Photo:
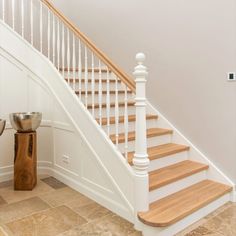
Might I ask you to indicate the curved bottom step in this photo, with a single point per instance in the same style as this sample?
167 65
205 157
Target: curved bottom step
175 207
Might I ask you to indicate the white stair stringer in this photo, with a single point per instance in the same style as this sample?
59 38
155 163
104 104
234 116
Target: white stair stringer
117 194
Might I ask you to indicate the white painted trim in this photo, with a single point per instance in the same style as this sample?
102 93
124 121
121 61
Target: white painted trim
62 126
233 196
6 172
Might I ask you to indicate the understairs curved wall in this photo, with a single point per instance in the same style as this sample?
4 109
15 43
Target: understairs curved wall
29 82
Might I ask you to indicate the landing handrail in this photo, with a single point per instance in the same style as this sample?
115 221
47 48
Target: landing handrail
102 56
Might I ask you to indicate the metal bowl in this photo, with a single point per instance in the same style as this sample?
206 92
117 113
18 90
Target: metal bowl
25 121
2 126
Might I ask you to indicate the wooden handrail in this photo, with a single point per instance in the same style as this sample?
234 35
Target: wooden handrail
115 69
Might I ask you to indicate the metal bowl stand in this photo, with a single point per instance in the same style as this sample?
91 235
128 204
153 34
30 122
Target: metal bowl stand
25 161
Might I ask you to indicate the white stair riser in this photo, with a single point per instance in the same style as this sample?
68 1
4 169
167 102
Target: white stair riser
131 126
176 186
168 160
96 75
151 142
131 111
112 86
121 98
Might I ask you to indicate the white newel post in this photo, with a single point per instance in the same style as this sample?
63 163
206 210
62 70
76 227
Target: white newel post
141 161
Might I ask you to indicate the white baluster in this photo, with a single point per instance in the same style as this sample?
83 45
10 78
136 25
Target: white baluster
93 84
140 160
53 39
100 92
3 10
22 19
68 54
80 70
126 123
63 51
41 26
13 13
49 33
86 75
31 23
58 44
108 102
117 112
74 63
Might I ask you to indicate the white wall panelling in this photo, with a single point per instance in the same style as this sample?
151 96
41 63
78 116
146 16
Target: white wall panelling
29 82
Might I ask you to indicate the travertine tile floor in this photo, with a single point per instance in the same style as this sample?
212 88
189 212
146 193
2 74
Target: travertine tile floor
222 222
54 209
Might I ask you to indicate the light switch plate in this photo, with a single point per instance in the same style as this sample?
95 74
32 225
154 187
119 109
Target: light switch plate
231 76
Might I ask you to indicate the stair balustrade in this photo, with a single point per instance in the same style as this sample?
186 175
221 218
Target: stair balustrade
79 61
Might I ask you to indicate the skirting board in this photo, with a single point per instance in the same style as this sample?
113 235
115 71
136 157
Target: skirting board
233 197
45 168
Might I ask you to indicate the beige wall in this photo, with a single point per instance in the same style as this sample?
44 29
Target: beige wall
190 47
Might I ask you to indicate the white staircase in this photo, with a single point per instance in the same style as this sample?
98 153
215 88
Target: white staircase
173 183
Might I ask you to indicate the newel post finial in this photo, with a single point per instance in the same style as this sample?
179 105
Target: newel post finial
140 70
140 58
140 160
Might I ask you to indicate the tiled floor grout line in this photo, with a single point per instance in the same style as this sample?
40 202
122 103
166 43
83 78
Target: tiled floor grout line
26 216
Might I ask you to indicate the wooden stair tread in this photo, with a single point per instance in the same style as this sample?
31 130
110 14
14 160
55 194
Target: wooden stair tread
161 177
104 105
153 132
175 207
161 151
103 92
131 118
90 80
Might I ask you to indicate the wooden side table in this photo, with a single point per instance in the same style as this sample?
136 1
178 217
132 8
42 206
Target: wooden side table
25 161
